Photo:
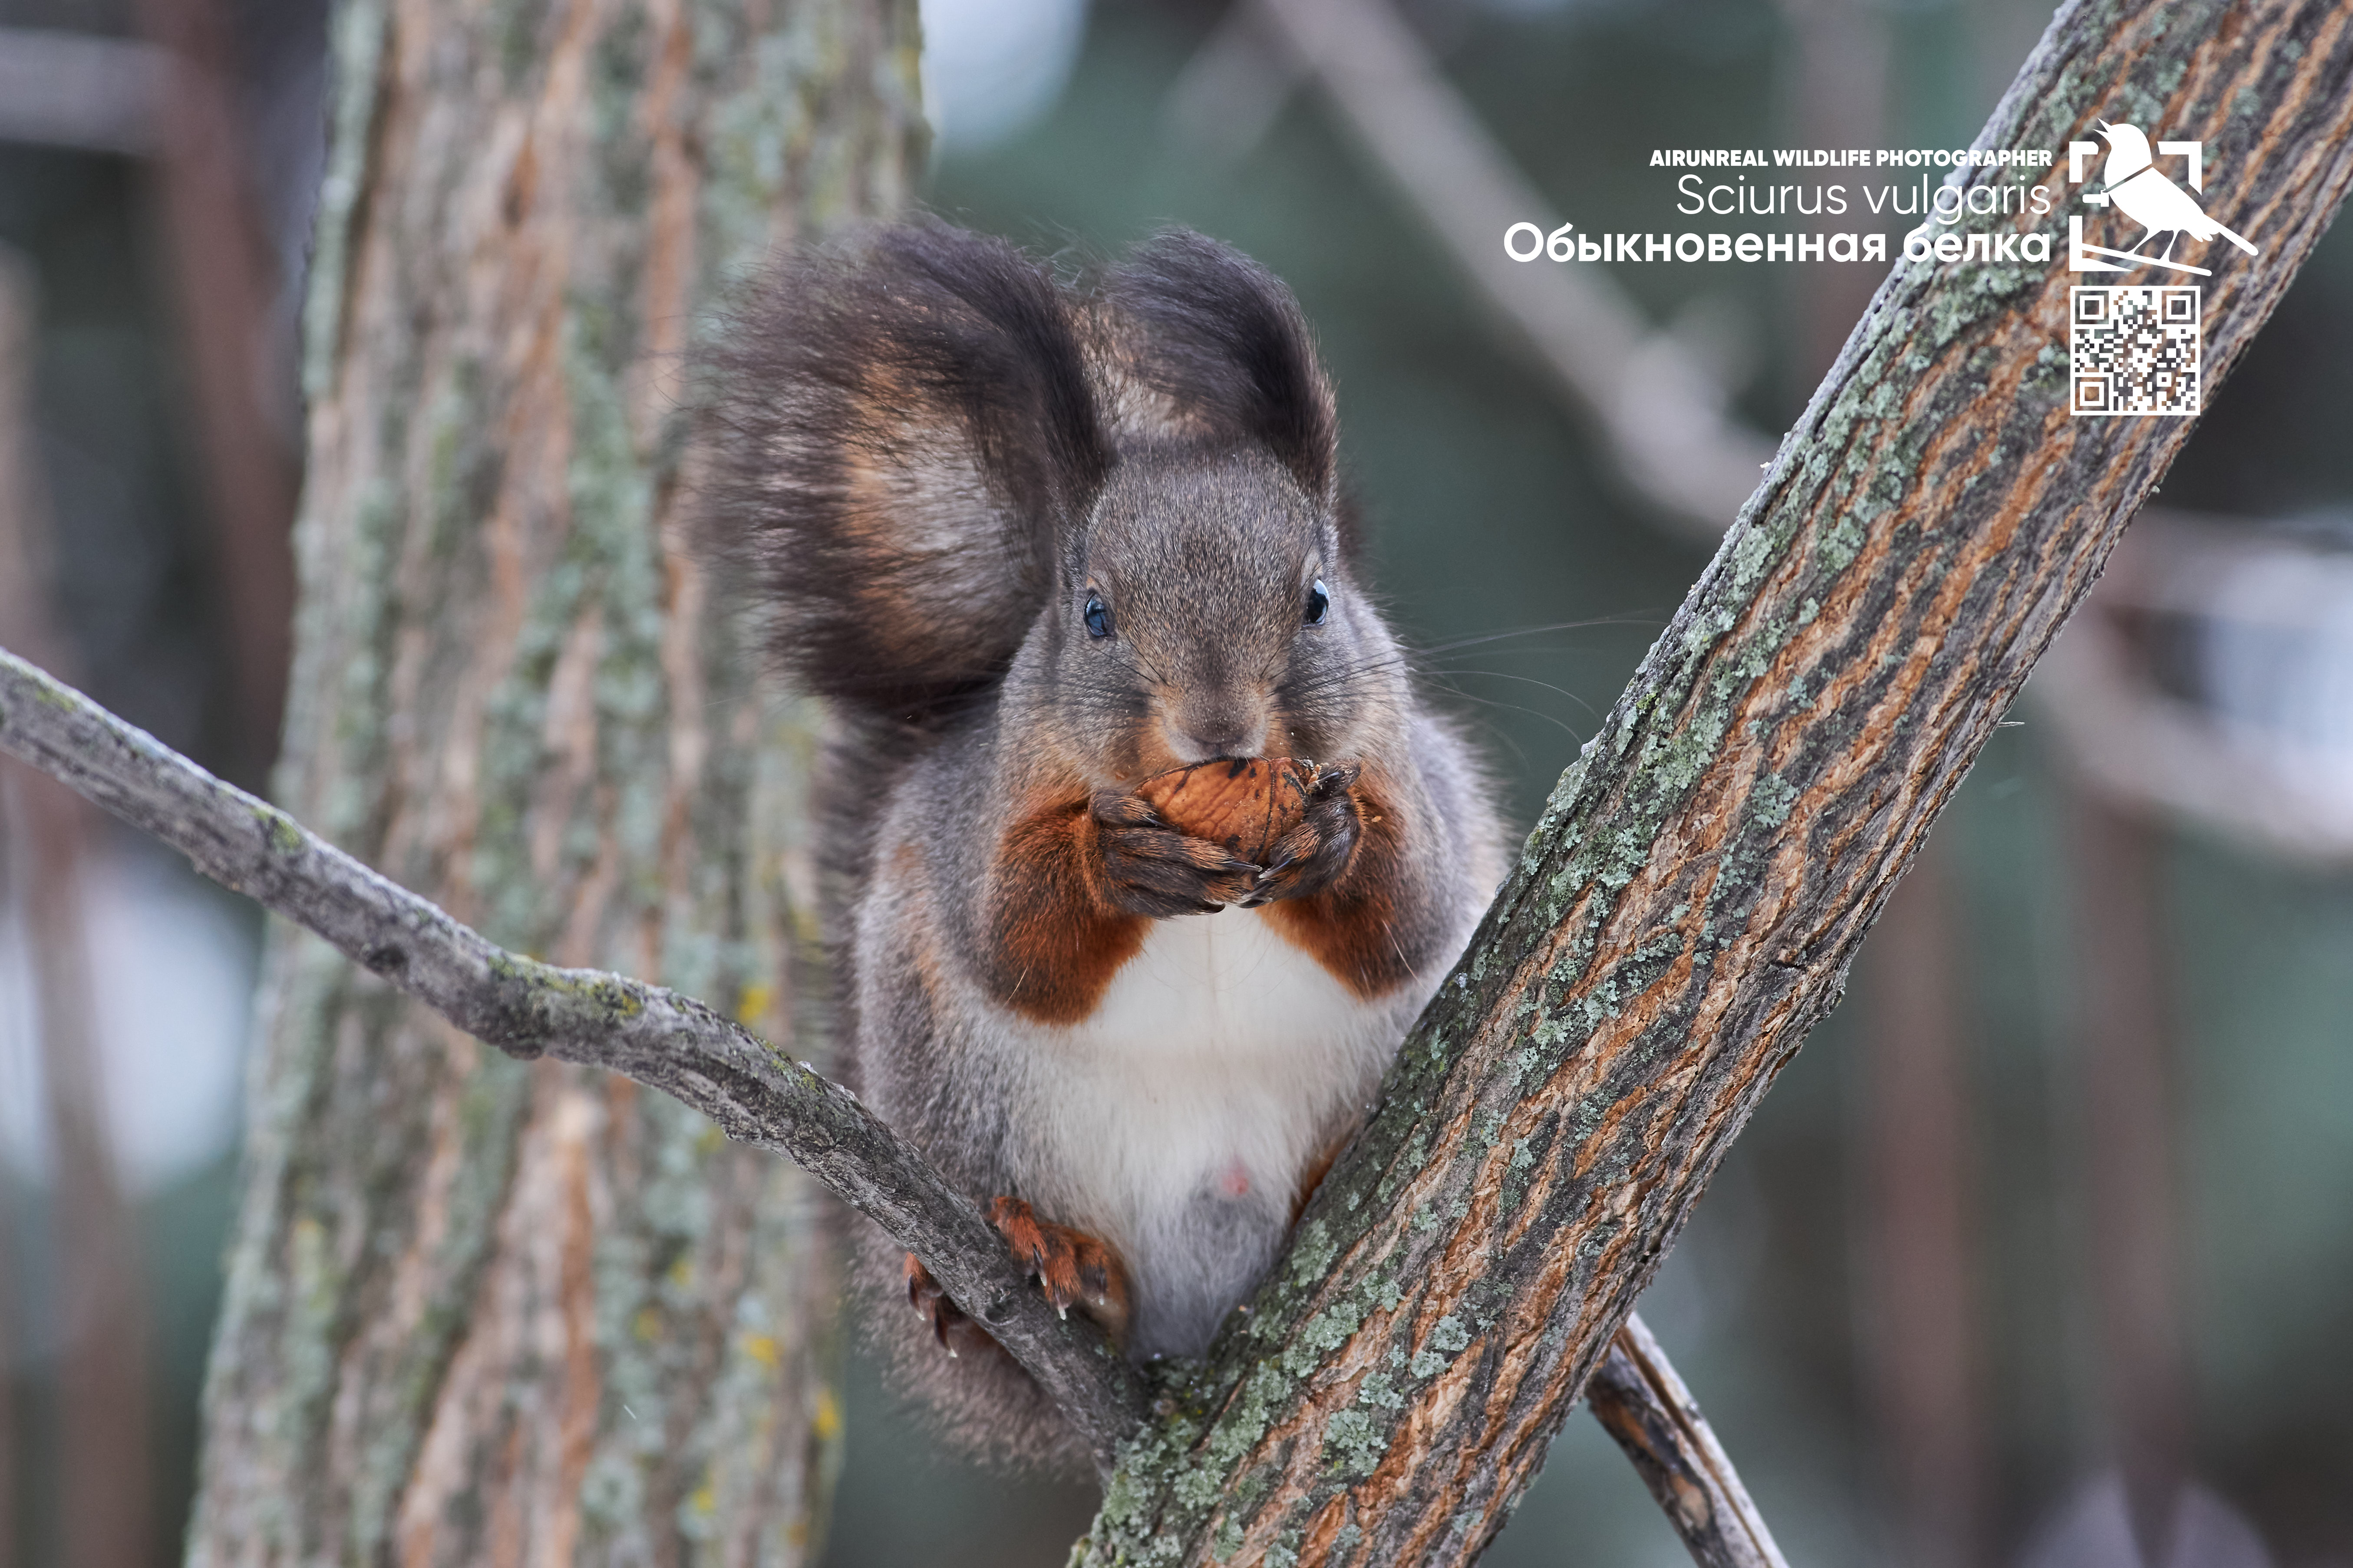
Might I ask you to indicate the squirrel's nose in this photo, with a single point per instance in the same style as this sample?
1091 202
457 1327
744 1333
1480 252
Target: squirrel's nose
1222 741
1223 733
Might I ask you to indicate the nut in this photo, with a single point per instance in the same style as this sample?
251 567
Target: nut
1246 804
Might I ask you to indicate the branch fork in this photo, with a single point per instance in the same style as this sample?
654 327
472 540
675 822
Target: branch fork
755 1093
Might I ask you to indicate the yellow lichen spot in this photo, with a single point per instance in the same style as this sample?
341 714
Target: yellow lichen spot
827 1422
754 1006
762 1348
680 1274
705 1500
647 1325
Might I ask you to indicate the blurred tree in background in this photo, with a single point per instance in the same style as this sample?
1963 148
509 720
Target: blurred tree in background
478 1310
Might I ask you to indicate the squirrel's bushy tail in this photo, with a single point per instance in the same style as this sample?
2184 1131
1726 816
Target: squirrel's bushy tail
908 427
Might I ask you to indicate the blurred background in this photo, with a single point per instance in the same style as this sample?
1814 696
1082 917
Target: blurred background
2042 1251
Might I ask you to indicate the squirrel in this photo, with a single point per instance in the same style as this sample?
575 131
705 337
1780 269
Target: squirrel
1034 544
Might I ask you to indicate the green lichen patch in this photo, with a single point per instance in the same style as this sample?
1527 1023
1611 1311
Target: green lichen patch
280 831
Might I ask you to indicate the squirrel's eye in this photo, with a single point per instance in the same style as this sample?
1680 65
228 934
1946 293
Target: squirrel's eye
1098 617
1319 604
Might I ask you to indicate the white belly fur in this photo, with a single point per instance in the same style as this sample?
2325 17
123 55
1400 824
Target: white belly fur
1177 1120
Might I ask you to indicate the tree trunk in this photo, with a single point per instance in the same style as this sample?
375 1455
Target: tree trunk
2130 1169
1685 910
1687 906
105 1516
481 1310
1919 1291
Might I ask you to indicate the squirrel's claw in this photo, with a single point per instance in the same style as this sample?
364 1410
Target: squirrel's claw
1338 778
955 1331
1113 809
1152 870
1312 856
1261 894
1072 1267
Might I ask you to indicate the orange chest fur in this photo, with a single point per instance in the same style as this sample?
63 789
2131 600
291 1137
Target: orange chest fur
1057 944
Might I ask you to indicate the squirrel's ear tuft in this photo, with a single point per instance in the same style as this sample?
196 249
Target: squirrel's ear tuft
1222 338
905 428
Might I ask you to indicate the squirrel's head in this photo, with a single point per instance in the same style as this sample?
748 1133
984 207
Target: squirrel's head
1208 607
1212 613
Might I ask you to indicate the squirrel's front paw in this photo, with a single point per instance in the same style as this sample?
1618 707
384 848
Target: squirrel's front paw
1074 1268
1151 869
1310 857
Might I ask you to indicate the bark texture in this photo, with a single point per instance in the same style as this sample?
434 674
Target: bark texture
1687 906
482 1309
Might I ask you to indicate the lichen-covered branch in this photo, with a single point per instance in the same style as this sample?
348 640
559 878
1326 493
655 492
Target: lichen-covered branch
526 1008
673 1043
1686 908
1684 912
1661 416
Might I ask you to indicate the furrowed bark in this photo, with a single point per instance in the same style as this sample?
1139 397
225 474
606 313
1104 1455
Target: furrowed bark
1686 908
1784 749
480 1310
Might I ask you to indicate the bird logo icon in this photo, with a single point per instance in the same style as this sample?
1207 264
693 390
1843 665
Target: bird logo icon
2134 185
2137 188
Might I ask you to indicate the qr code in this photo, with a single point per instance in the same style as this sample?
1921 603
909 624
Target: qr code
2134 350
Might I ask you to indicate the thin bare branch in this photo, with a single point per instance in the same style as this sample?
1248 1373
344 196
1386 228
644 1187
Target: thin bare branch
646 1033
1640 1401
81 90
2145 749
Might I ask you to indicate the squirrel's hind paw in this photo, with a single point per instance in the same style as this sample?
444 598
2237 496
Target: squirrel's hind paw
1072 1267
957 1334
